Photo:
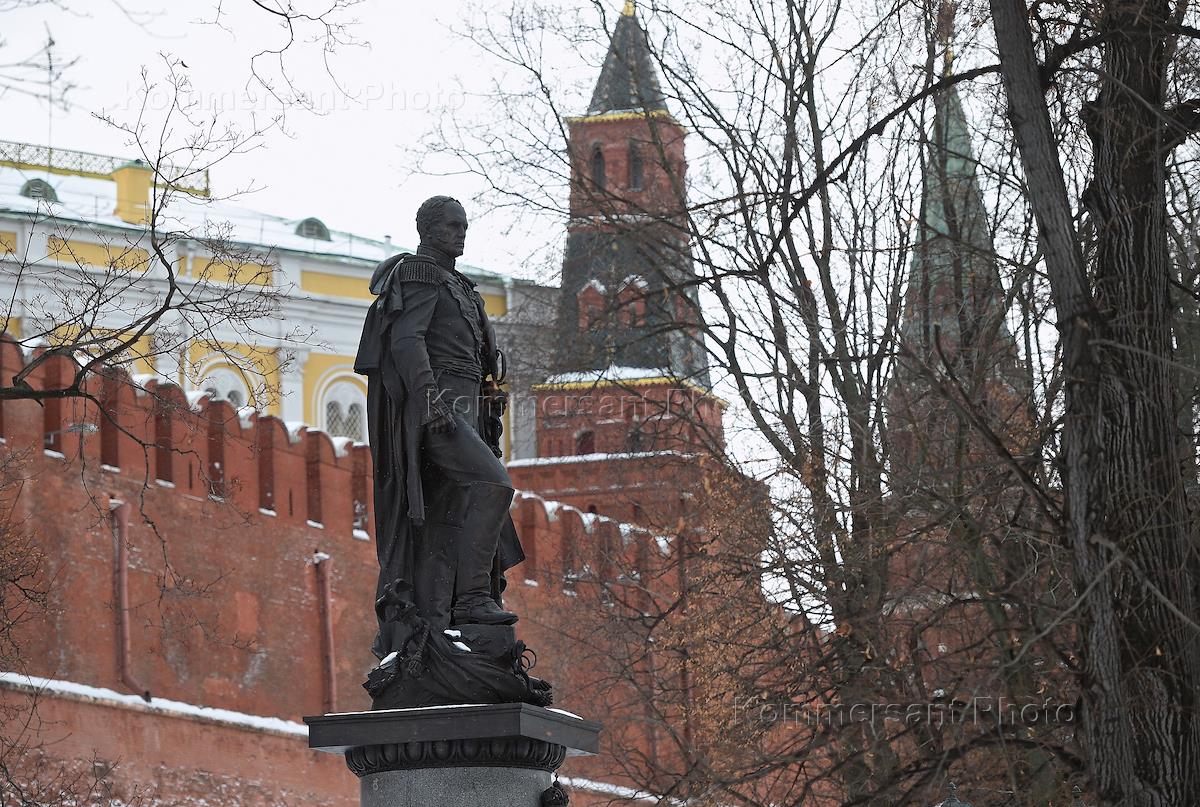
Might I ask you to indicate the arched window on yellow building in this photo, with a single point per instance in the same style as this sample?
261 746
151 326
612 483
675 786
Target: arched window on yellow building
344 409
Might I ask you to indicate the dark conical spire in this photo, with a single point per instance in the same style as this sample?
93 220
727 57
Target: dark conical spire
628 81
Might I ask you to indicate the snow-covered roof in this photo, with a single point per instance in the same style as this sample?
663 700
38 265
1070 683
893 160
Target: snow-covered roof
91 201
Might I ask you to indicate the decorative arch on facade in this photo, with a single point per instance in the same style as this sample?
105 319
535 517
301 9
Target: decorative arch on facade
343 409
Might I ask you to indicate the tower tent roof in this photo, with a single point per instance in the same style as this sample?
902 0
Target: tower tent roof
951 183
628 81
955 277
955 319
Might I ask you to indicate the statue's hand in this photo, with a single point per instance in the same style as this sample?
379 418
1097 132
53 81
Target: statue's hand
496 398
439 418
443 423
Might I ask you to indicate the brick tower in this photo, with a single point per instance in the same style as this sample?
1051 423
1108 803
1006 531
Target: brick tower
627 272
967 551
631 391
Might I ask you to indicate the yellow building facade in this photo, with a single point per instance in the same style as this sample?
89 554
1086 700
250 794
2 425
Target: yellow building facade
90 214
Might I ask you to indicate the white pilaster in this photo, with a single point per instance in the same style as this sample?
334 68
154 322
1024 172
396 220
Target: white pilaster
291 383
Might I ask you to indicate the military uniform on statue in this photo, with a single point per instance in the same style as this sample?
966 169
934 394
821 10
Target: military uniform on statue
443 532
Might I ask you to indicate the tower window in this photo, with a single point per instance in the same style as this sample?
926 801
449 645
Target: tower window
585 443
635 441
598 167
637 167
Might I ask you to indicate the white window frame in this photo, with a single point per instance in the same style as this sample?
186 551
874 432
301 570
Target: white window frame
223 382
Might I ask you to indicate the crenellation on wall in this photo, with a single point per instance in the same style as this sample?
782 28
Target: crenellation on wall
146 429
326 472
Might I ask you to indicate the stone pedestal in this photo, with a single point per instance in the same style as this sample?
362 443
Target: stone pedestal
501 755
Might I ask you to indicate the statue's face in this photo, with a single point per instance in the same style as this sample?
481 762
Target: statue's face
450 233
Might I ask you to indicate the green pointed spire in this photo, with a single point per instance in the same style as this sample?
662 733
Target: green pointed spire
954 279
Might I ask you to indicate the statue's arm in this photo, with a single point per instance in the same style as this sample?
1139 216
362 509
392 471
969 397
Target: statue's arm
408 346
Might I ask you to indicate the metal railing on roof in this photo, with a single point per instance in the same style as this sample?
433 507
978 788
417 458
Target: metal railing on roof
89 164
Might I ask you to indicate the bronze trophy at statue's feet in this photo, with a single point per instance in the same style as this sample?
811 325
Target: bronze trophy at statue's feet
443 530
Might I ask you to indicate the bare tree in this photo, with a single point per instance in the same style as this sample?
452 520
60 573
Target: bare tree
1129 519
875 293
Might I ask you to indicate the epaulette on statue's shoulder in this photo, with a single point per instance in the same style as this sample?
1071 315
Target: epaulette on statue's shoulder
417 270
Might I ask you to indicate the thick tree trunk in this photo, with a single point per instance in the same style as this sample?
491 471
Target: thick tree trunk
1153 656
1129 527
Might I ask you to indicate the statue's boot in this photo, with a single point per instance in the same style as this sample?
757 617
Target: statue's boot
434 553
487 506
433 575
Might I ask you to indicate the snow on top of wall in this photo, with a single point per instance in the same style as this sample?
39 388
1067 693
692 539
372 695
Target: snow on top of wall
142 380
246 415
590 521
294 428
194 397
119 700
572 458
606 789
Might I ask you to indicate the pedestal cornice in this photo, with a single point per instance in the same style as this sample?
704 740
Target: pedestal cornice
507 735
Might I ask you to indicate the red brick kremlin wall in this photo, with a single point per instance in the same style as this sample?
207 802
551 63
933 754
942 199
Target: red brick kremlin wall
233 522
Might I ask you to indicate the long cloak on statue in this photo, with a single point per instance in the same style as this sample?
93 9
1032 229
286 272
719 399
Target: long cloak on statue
394 419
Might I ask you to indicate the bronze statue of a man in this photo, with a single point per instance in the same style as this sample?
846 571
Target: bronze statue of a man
443 532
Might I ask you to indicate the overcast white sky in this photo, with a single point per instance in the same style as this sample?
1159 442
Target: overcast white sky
346 166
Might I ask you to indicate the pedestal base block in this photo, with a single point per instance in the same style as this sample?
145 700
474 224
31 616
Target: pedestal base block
501 755
456 787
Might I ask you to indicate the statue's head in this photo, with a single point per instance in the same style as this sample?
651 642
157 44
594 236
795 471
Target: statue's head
442 224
